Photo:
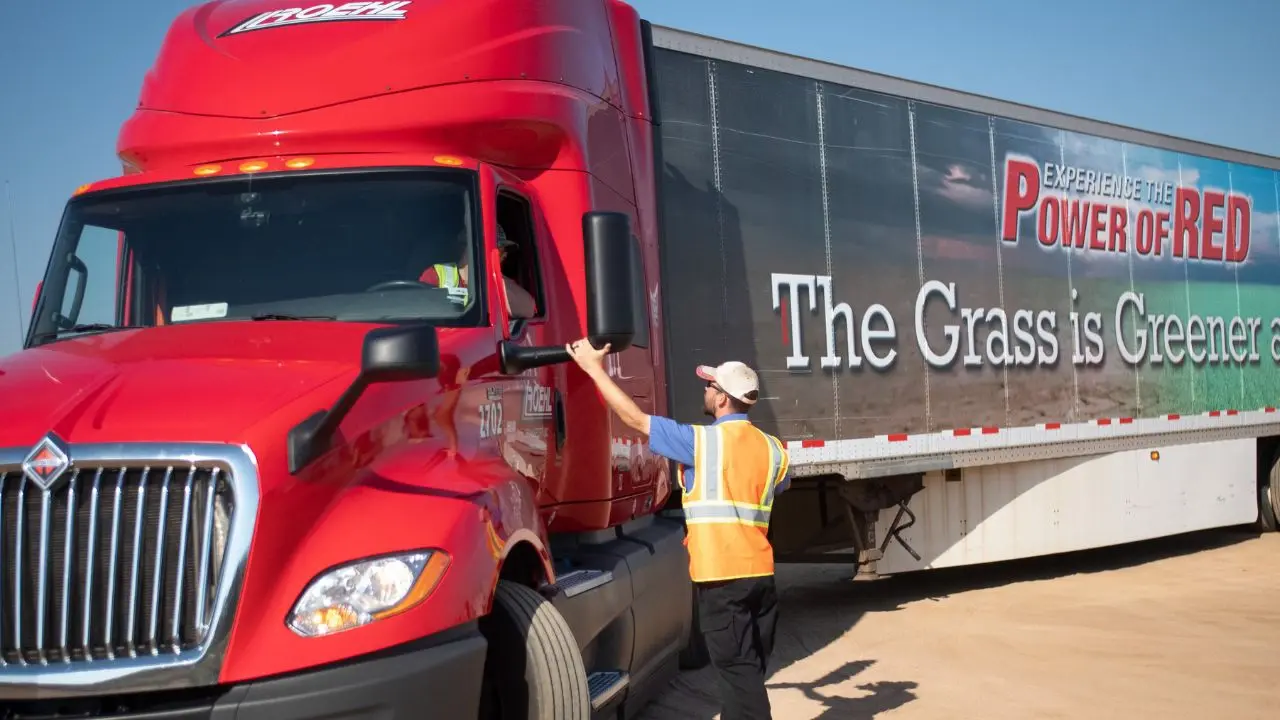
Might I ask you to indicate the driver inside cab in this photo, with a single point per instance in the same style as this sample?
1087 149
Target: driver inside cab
520 304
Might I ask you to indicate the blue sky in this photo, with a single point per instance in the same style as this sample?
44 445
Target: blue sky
1183 67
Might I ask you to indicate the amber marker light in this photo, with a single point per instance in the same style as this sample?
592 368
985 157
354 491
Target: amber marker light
206 170
448 160
299 163
253 166
1155 455
82 189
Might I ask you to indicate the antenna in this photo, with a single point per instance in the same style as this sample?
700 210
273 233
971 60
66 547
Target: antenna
13 243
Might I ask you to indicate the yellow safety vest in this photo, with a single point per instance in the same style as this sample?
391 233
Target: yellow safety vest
448 275
737 469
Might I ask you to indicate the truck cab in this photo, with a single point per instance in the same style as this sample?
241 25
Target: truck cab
294 432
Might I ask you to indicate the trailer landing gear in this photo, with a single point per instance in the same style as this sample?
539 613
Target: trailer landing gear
860 502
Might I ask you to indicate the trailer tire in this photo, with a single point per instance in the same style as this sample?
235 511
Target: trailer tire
694 654
533 668
1269 498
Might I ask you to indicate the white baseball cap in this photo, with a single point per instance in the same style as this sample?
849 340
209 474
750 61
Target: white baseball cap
734 378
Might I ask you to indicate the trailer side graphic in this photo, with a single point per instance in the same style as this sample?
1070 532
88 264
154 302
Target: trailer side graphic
915 278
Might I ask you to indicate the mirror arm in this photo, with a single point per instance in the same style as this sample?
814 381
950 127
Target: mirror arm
390 354
310 438
518 358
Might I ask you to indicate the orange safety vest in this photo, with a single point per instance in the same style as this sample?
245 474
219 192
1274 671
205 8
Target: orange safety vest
737 469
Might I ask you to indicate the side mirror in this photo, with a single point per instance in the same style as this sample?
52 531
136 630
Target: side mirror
390 354
74 265
393 354
609 256
610 299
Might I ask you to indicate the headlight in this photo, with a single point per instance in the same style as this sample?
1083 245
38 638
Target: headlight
361 592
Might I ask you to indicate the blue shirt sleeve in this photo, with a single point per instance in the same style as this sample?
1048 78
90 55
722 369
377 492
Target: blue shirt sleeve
674 441
671 440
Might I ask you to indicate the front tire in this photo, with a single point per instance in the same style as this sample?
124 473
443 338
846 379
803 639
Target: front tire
533 669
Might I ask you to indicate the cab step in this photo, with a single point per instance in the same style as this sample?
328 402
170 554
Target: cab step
577 582
605 685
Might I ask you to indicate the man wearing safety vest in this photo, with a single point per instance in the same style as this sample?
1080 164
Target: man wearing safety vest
520 304
730 473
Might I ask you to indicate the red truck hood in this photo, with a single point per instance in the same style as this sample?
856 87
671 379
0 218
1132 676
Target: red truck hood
207 382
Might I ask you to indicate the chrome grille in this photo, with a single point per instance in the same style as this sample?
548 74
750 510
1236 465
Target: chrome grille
113 562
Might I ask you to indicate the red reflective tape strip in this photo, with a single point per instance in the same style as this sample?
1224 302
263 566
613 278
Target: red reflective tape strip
1126 421
990 430
898 437
1233 412
812 443
1215 413
1174 416
1103 421
962 432
1053 426
1269 409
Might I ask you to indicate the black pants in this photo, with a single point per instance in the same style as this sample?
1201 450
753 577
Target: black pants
738 619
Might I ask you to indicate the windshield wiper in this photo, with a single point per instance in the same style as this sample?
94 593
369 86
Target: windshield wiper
87 327
285 316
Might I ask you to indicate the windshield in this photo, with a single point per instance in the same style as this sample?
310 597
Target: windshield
378 246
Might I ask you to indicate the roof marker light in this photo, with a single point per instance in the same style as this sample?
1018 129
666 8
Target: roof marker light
82 189
448 160
253 166
204 170
299 162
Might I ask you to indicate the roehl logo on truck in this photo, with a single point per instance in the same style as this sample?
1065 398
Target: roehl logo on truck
325 12
537 401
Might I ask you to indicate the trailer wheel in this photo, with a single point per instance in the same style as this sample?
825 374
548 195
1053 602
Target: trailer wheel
533 669
1269 498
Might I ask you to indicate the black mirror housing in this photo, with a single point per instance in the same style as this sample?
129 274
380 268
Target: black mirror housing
390 354
393 354
611 313
610 298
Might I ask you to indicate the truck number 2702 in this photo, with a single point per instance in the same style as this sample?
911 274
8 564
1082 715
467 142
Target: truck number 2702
490 419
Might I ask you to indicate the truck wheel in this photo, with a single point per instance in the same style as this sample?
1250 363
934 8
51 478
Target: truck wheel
1269 499
694 656
533 669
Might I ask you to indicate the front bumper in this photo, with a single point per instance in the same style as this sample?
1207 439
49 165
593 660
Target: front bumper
439 677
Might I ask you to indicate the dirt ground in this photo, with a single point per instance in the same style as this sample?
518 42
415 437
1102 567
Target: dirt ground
1185 627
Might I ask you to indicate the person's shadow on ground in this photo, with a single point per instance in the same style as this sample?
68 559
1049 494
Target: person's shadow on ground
881 696
818 605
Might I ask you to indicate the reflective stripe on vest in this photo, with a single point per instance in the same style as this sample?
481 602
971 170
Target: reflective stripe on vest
737 469
448 275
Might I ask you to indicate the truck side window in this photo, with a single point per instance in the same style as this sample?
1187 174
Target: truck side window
98 252
520 262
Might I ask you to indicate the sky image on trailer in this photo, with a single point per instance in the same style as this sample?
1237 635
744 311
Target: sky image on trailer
894 266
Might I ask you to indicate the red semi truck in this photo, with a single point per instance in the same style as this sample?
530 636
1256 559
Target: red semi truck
294 435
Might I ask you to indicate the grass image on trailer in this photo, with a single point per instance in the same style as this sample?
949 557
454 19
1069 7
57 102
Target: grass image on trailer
995 311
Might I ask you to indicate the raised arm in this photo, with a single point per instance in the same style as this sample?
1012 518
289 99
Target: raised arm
591 361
